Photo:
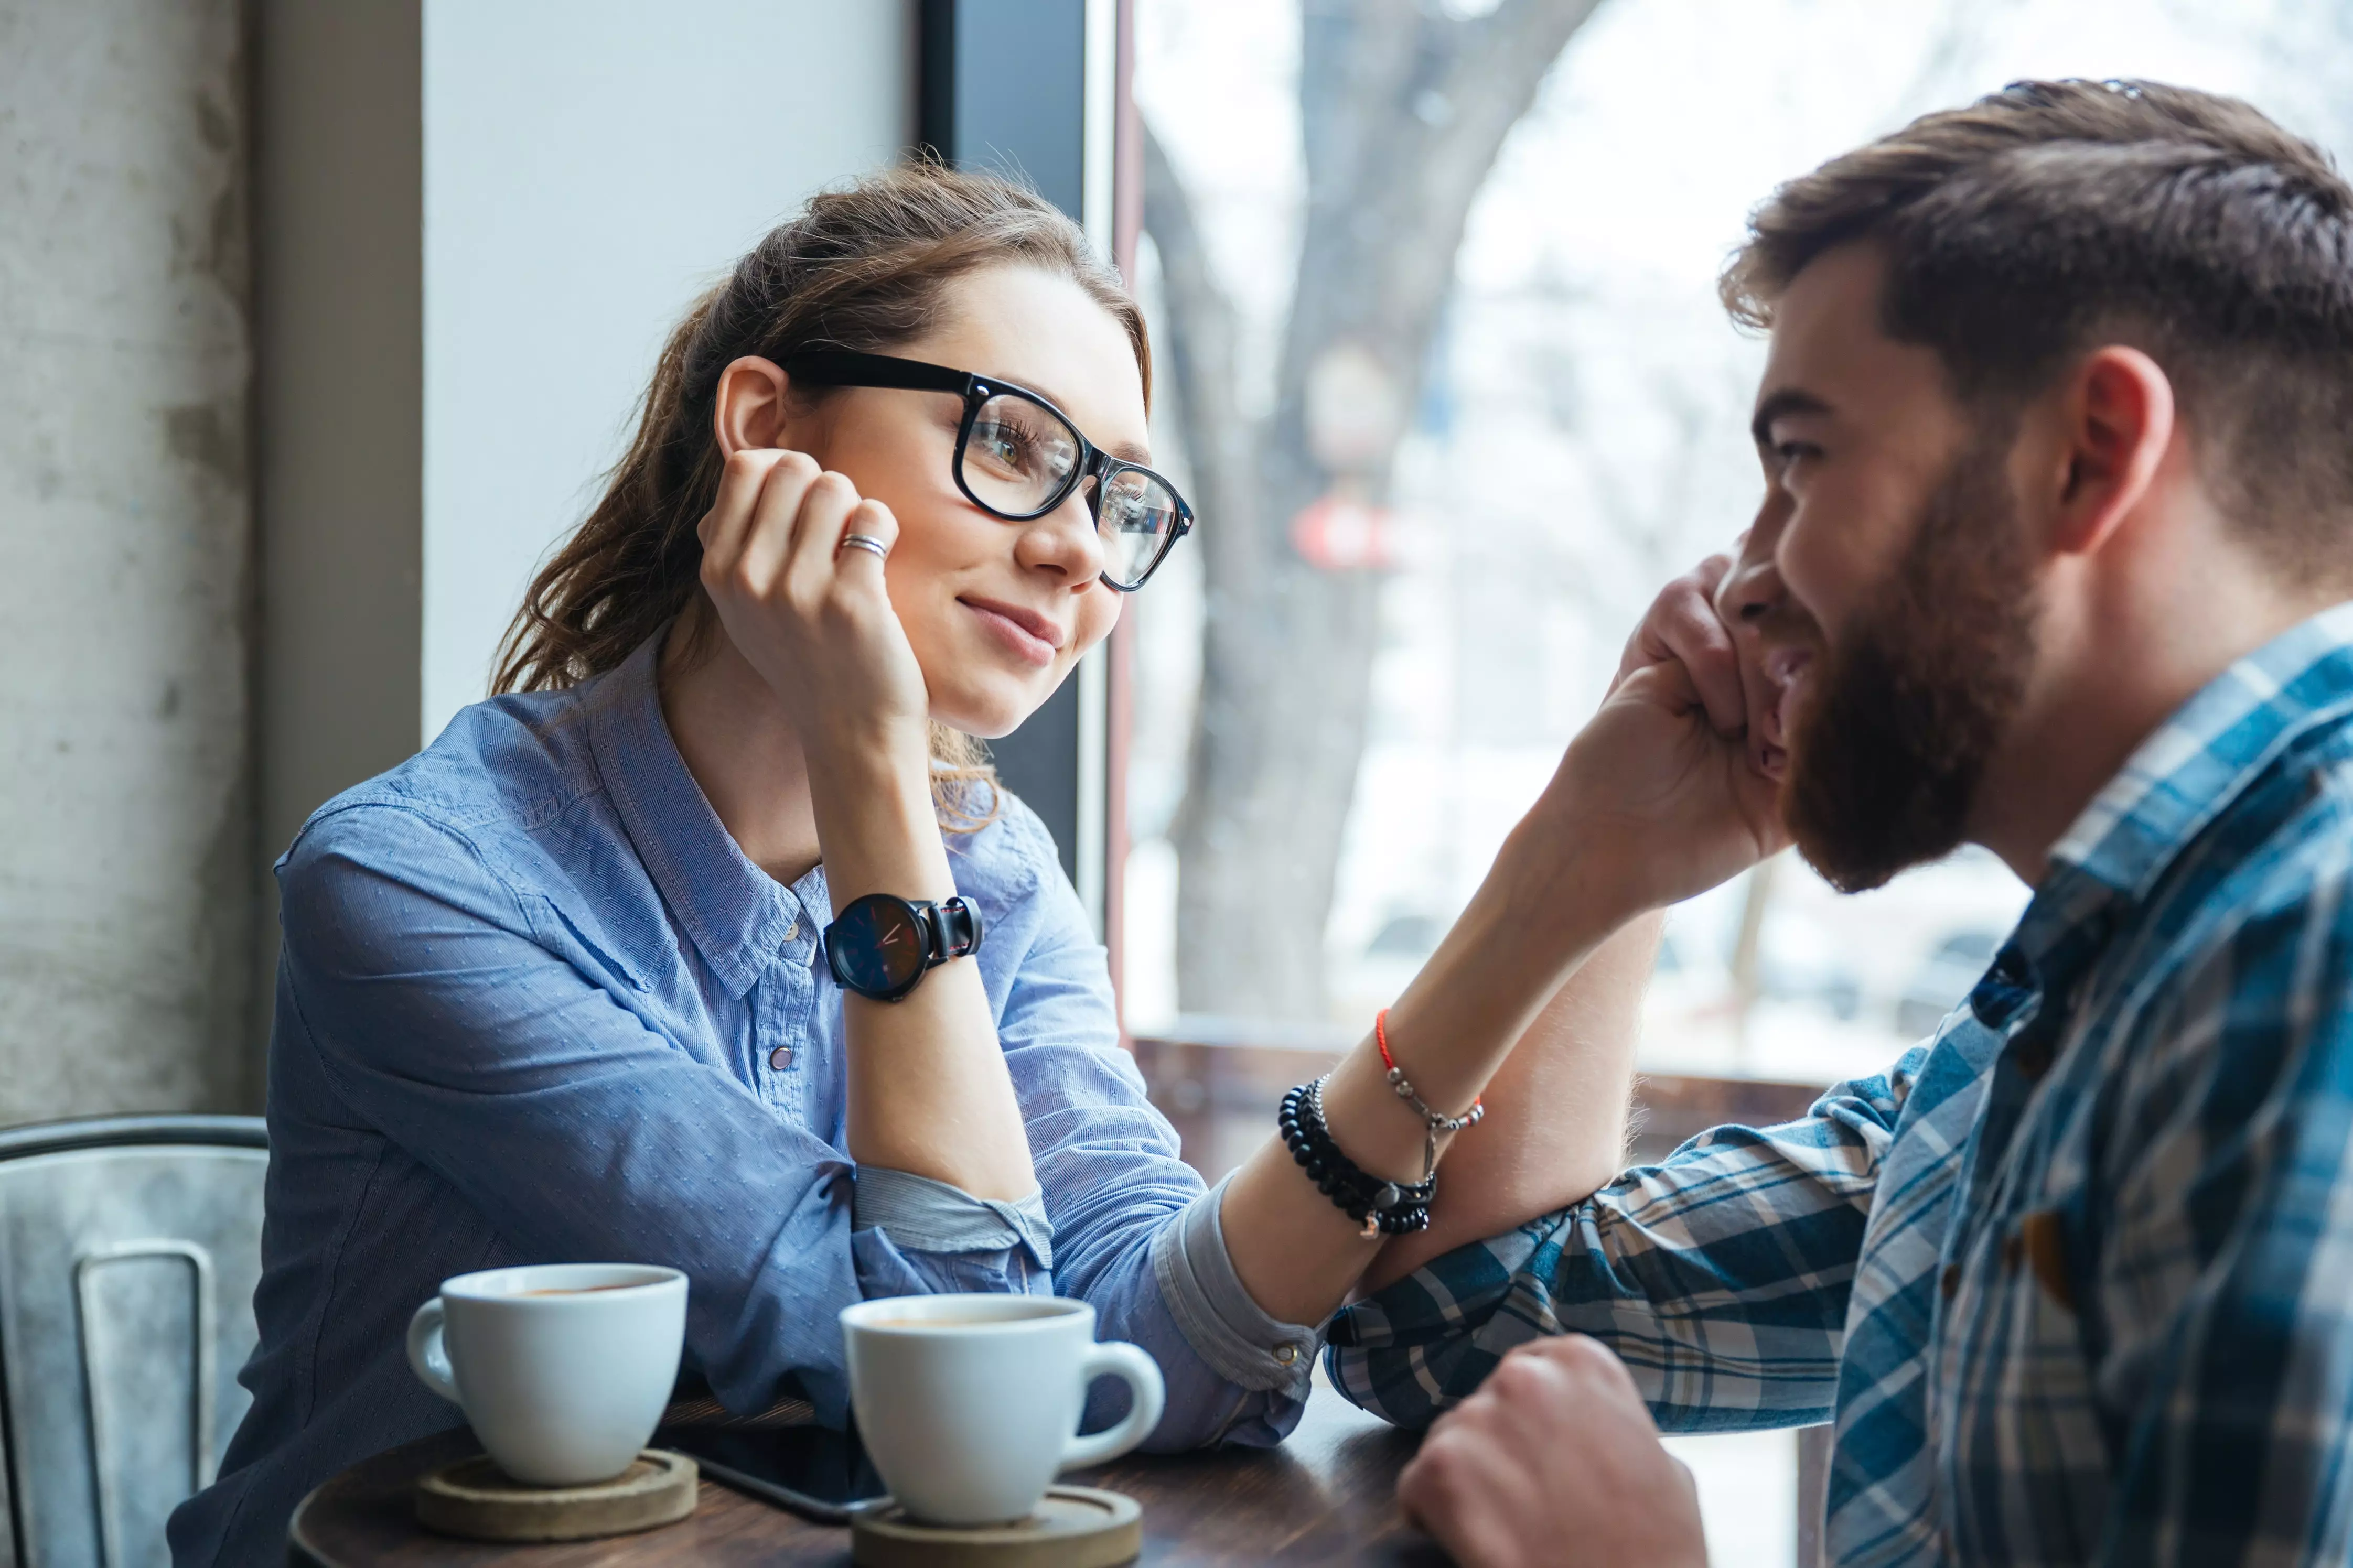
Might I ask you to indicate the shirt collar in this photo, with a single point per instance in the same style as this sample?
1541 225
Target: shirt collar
2192 766
738 916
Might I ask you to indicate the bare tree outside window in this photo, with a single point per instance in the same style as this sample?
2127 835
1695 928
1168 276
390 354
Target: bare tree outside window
1403 107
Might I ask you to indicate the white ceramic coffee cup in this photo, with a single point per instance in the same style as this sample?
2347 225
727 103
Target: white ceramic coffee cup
969 1404
564 1369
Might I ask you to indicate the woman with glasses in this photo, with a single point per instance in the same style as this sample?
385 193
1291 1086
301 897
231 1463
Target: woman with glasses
710 942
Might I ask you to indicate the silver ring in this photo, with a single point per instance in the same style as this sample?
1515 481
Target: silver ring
868 542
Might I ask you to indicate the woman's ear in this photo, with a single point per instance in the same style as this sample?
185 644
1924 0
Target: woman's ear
752 407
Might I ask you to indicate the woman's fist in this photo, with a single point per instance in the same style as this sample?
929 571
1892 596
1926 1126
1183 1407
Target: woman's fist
813 616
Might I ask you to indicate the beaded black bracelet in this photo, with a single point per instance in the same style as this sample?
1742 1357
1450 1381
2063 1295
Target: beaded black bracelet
1381 1207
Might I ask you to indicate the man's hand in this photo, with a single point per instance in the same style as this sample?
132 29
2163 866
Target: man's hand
1555 1460
1663 779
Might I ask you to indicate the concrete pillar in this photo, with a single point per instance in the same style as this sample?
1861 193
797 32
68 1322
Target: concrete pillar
126 828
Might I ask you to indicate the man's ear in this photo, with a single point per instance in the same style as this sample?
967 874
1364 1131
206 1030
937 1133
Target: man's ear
752 407
2118 409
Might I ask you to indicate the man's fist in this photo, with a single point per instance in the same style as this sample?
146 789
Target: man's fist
1554 1461
1659 797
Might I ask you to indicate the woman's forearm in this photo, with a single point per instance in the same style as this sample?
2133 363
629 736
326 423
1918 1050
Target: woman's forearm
928 1088
1554 1127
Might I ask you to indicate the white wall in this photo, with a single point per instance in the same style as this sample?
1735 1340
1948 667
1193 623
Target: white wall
589 168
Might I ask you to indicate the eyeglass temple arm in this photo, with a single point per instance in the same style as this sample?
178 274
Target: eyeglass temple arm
831 367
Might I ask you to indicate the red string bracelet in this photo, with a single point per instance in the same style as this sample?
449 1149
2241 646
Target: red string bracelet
1439 1123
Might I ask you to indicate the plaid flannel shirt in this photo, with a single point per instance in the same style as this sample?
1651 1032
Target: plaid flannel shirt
2075 1280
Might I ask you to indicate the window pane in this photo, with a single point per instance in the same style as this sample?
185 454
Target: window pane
1453 529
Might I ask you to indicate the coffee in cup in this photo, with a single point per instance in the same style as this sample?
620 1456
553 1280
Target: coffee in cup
562 1369
969 1404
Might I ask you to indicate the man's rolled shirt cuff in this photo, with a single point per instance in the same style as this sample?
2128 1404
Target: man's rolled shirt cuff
925 1216
1232 1333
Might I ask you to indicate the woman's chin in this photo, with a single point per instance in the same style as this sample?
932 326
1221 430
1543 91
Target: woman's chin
987 715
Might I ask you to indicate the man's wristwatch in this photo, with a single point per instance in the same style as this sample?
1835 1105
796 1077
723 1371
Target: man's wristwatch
881 946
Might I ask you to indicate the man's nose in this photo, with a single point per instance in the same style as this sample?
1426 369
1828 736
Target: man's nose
1753 589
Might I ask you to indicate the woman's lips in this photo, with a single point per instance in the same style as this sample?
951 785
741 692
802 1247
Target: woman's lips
1025 633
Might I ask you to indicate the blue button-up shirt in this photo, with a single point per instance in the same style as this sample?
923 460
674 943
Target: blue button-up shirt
2075 1280
535 1004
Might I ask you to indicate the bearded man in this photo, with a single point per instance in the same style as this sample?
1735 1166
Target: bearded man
2057 522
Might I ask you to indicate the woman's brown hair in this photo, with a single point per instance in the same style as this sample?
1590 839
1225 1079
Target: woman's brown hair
867 267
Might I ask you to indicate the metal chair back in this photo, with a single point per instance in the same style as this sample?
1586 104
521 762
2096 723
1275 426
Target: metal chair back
129 1250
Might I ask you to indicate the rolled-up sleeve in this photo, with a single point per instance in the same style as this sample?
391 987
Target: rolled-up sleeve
912 1235
1232 1332
919 1212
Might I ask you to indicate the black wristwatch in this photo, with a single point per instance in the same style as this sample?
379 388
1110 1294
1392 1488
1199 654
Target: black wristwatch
881 946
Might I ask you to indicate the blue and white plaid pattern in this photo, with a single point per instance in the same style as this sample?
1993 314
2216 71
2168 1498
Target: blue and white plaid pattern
2075 1279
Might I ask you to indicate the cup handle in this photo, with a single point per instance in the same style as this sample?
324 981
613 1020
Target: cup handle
1131 1365
427 1357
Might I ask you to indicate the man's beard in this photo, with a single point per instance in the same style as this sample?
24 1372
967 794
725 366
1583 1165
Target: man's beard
1892 740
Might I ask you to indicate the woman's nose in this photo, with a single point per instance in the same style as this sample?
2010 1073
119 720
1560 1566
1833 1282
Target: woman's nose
1065 541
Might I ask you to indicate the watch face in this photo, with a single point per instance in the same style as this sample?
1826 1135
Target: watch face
877 945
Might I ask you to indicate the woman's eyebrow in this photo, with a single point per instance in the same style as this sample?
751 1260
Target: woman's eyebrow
1125 451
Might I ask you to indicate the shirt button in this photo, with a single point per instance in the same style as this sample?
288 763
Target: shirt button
1286 1354
792 931
781 1057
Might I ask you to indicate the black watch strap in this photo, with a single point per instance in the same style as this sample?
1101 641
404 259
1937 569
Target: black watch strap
881 945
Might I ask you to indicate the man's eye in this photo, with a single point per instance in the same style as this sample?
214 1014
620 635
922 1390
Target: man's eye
1786 453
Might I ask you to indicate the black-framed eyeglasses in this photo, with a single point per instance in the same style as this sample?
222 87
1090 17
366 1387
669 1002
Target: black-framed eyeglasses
1017 457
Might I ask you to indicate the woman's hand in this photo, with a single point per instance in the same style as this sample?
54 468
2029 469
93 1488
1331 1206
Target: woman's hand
1660 789
812 618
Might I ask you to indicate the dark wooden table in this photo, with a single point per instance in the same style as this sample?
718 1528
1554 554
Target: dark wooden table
1327 1496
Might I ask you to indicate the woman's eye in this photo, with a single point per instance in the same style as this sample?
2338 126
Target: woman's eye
1002 444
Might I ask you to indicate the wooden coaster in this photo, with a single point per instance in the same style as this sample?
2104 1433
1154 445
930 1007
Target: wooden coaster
479 1502
1075 1527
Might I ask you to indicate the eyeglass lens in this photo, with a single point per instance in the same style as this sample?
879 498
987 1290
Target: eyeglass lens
1020 454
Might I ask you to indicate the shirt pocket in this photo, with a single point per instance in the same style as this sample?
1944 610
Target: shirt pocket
2031 1411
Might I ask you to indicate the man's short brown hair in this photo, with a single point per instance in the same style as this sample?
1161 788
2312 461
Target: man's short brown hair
2032 226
